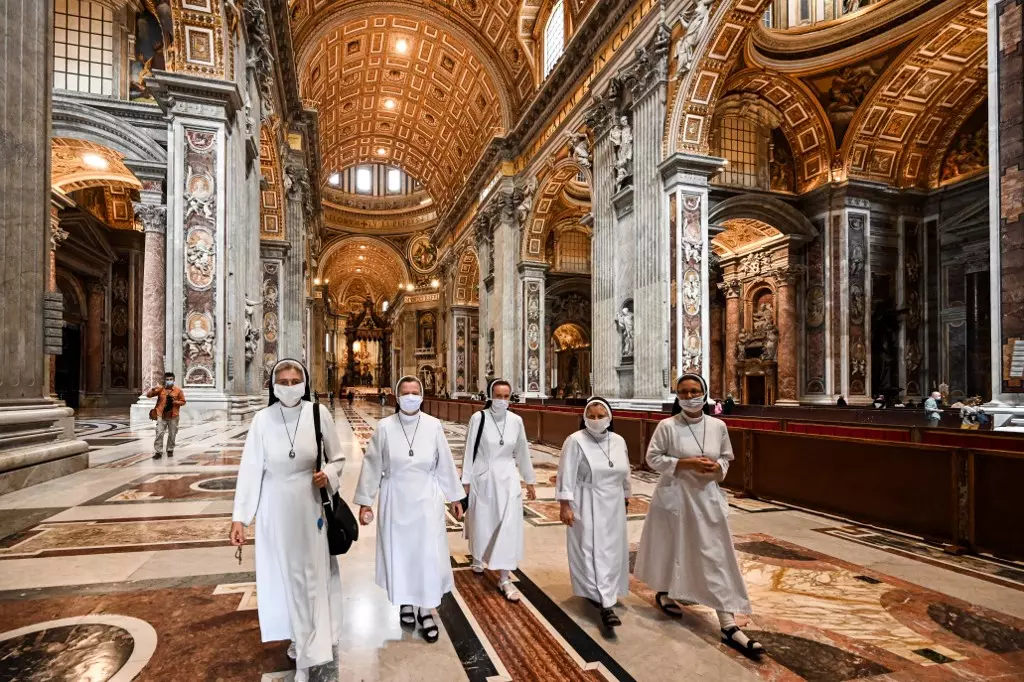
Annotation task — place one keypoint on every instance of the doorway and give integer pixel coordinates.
(756, 392)
(66, 383)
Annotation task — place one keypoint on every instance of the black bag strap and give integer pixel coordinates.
(479, 434)
(324, 497)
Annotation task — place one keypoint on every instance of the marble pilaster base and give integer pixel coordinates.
(37, 443)
(625, 373)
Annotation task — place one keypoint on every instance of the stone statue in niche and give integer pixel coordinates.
(764, 318)
(489, 368)
(621, 136)
(781, 169)
(693, 19)
(199, 339)
(579, 149)
(624, 323)
(771, 345)
(252, 333)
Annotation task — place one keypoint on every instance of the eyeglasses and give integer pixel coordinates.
(694, 393)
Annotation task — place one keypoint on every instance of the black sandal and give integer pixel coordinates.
(407, 616)
(609, 619)
(430, 632)
(753, 648)
(670, 608)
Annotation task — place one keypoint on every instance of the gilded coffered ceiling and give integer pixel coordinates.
(373, 261)
(423, 85)
(742, 235)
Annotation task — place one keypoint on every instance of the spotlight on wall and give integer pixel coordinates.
(359, 269)
(334, 179)
(410, 286)
(384, 306)
(356, 346)
(401, 46)
(434, 283)
(95, 161)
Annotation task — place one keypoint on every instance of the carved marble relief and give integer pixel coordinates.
(693, 344)
(271, 316)
(835, 309)
(461, 342)
(857, 249)
(533, 340)
(912, 303)
(120, 325)
(814, 319)
(200, 225)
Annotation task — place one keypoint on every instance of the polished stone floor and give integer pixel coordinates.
(123, 571)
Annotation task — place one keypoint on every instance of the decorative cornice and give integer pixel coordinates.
(195, 96)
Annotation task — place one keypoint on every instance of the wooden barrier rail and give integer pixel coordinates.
(960, 492)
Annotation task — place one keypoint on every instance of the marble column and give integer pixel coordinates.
(715, 384)
(154, 292)
(458, 350)
(787, 355)
(534, 369)
(1006, 211)
(293, 285)
(979, 328)
(37, 440)
(731, 288)
(485, 259)
(94, 343)
(505, 301)
(685, 178)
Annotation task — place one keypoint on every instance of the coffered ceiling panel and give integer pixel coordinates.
(373, 261)
(399, 90)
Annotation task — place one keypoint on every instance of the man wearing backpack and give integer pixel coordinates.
(169, 399)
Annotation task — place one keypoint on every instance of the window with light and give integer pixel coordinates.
(744, 144)
(554, 36)
(394, 181)
(364, 180)
(574, 251)
(83, 47)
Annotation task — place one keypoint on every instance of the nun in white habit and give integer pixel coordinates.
(686, 551)
(409, 461)
(490, 476)
(297, 579)
(593, 492)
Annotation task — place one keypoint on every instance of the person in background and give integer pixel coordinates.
(381, 398)
(716, 407)
(330, 398)
(686, 552)
(593, 490)
(879, 402)
(298, 581)
(971, 414)
(169, 399)
(730, 404)
(409, 462)
(931, 408)
(490, 477)
(351, 397)
(840, 401)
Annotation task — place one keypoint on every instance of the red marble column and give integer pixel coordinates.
(786, 319)
(731, 288)
(154, 296)
(717, 343)
(94, 340)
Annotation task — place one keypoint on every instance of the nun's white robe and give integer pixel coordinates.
(413, 563)
(494, 523)
(597, 542)
(298, 585)
(686, 549)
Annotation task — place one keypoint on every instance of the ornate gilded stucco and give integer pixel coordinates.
(547, 204)
(374, 261)
(272, 223)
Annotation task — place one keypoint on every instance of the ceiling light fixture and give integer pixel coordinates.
(389, 104)
(401, 45)
(95, 161)
(362, 246)
(381, 151)
(359, 269)
(410, 286)
(434, 283)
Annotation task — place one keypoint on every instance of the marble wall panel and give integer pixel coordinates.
(692, 286)
(912, 273)
(857, 263)
(836, 301)
(271, 316)
(120, 322)
(532, 294)
(201, 257)
(461, 343)
(814, 317)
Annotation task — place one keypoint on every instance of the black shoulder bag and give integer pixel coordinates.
(342, 528)
(476, 446)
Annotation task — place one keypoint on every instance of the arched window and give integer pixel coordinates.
(744, 143)
(573, 251)
(554, 36)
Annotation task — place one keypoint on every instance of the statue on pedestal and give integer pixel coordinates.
(624, 323)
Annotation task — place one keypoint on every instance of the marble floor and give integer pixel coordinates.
(123, 571)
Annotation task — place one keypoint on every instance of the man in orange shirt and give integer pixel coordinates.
(169, 398)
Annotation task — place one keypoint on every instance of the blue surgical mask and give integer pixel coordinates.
(410, 403)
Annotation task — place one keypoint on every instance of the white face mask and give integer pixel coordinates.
(499, 405)
(410, 402)
(597, 426)
(692, 404)
(290, 395)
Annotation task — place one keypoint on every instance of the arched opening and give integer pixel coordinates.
(570, 361)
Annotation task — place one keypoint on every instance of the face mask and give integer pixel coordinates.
(290, 395)
(410, 402)
(692, 404)
(499, 405)
(169, 383)
(597, 426)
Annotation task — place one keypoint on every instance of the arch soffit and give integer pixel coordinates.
(69, 171)
(467, 277)
(770, 211)
(692, 98)
(897, 123)
(804, 122)
(272, 223)
(76, 120)
(76, 288)
(385, 264)
(447, 100)
(546, 200)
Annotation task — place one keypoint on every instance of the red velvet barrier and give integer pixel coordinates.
(835, 430)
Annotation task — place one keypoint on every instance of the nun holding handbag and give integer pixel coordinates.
(342, 528)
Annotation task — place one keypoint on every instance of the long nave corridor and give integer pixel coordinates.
(127, 567)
